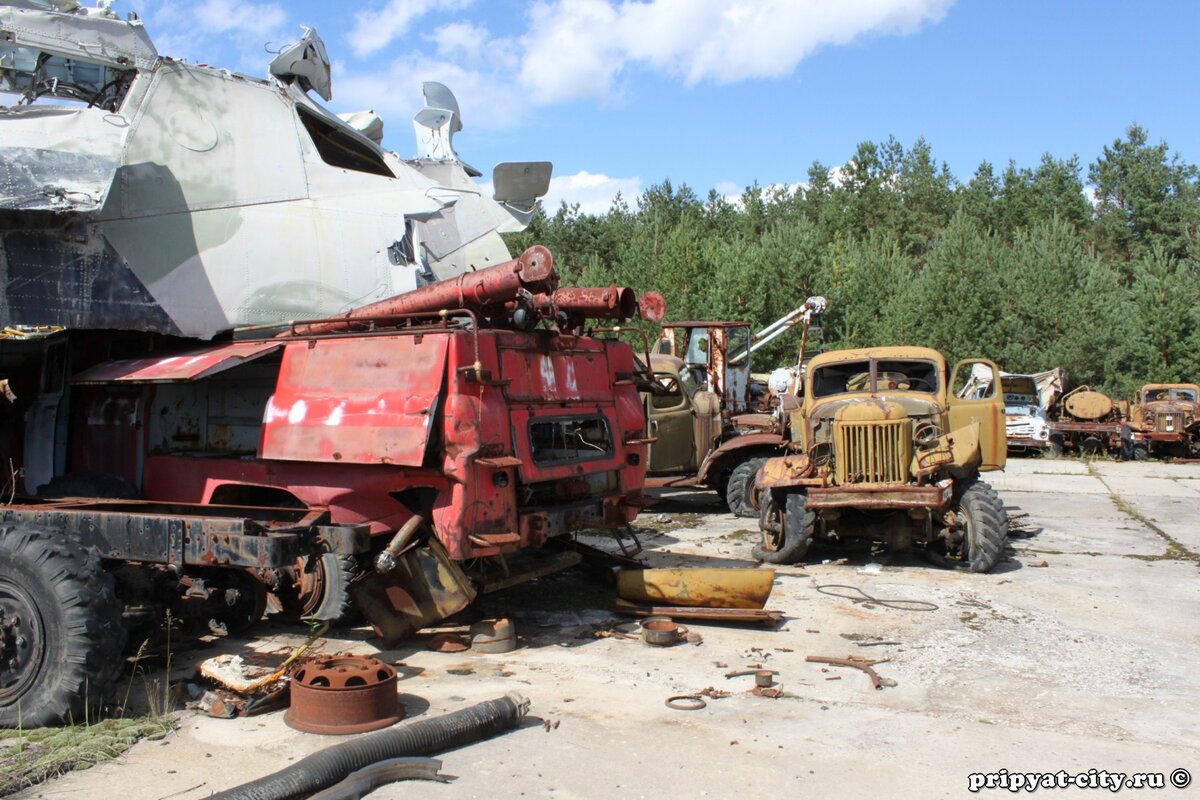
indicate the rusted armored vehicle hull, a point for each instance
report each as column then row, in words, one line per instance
column 705, row 428
column 882, row 450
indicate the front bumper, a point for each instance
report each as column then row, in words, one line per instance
column 882, row 496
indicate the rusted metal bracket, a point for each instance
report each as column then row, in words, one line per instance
column 856, row 663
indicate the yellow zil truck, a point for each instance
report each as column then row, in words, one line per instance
column 882, row 448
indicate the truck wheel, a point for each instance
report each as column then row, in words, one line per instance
column 787, row 528
column 61, row 634
column 739, row 490
column 319, row 588
column 978, row 531
column 1140, row 451
column 1056, row 445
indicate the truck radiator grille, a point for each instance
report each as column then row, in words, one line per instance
column 872, row 452
column 1167, row 423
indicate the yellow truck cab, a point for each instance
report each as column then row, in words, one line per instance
column 883, row 449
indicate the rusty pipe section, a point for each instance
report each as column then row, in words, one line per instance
column 608, row 302
column 532, row 272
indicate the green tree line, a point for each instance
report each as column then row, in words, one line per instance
column 1093, row 271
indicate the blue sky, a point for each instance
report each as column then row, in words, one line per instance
column 720, row 93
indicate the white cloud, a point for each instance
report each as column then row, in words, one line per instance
column 576, row 48
column 223, row 32
column 593, row 192
column 248, row 19
column 376, row 29
column 488, row 100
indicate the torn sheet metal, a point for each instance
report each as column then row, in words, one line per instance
column 188, row 366
column 90, row 34
column 143, row 193
column 424, row 588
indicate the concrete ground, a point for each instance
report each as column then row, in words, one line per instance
column 1078, row 652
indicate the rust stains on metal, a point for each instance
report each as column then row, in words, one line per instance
column 343, row 694
column 697, row 588
column 486, row 288
column 765, row 616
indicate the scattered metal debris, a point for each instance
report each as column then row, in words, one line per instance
column 343, row 694
column 686, row 702
column 851, row 661
column 448, row 643
column 763, row 616
column 662, row 631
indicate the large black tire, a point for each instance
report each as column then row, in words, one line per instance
column 321, row 589
column 739, row 490
column 984, row 529
column 1056, row 445
column 61, row 633
column 788, row 510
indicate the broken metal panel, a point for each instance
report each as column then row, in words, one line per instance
column 305, row 61
column 51, row 277
column 712, row 588
column 198, row 200
column 364, row 400
column 202, row 138
column 424, row 587
column 188, row 366
column 89, row 34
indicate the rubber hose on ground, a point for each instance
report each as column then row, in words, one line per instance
column 326, row 767
column 360, row 783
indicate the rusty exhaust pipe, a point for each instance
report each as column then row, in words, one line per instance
column 488, row 287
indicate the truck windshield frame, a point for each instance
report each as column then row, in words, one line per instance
column 569, row 439
column 876, row 376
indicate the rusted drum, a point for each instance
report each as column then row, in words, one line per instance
column 343, row 694
column 1088, row 405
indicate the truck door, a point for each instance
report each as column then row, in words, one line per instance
column 985, row 406
column 670, row 422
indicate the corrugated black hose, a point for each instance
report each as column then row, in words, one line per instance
column 426, row 737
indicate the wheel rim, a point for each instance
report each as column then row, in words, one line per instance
column 310, row 585
column 772, row 525
column 22, row 642
column 960, row 533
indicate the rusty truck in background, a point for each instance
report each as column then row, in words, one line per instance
column 1166, row 420
column 707, row 425
column 882, row 448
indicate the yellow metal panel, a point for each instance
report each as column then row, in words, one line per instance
column 697, row 588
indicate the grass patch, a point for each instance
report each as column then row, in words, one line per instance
column 649, row 522
column 742, row 534
column 28, row 757
column 1175, row 550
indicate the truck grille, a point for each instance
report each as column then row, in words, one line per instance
column 1166, row 423
column 872, row 452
